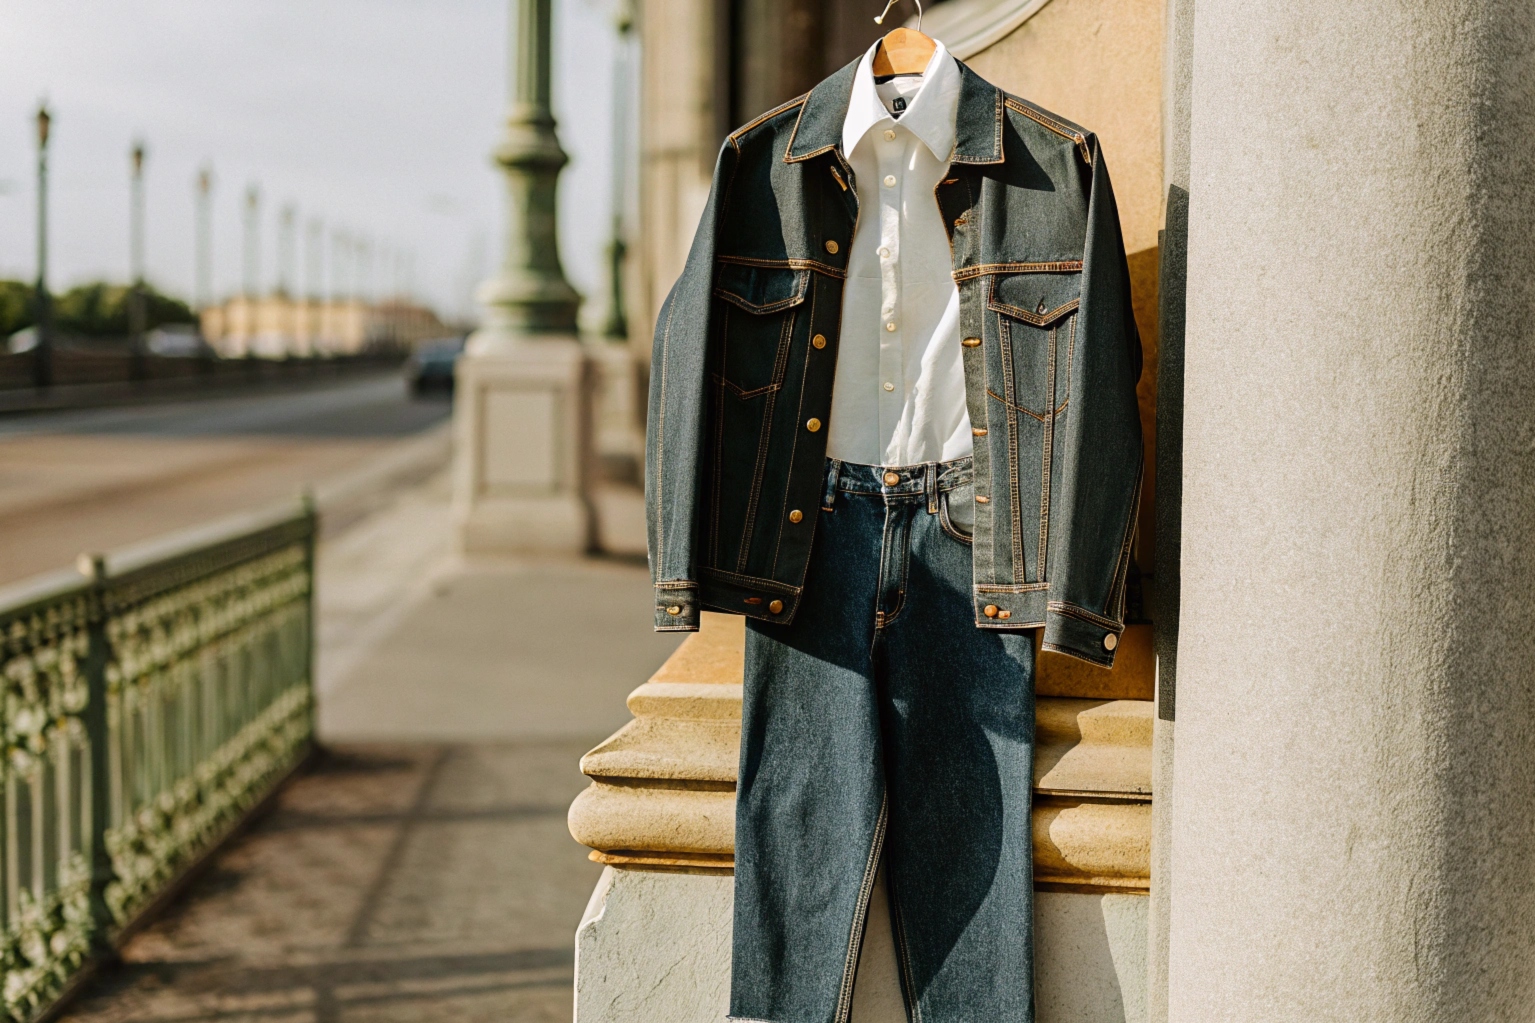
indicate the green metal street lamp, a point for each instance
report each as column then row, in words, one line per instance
column 138, row 313
column 42, row 352
column 530, row 296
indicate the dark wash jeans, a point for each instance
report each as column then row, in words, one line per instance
column 882, row 722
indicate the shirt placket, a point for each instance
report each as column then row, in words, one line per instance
column 890, row 149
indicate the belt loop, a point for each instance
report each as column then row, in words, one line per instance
column 833, row 474
column 932, row 488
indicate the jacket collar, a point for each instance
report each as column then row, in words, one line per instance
column 977, row 125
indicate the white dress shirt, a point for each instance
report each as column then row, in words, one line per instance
column 899, row 393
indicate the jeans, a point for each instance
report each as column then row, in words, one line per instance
column 881, row 723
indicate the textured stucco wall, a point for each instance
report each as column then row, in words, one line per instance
column 1098, row 63
column 656, row 947
column 1356, row 729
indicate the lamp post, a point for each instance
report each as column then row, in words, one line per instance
column 616, row 326
column 522, row 405
column 530, row 297
column 204, row 240
column 138, row 319
column 42, row 352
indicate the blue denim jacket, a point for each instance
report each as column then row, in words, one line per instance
column 746, row 347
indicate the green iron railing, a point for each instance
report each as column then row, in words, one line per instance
column 151, row 700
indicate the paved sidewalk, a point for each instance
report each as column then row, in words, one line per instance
column 423, row 870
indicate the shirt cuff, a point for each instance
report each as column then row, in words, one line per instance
column 677, row 607
column 1081, row 634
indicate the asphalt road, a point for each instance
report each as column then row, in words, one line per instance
column 100, row 479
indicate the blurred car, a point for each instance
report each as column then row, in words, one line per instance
column 430, row 367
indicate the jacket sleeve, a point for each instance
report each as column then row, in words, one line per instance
column 1093, row 525
column 674, row 426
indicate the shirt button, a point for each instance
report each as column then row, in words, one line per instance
column 796, row 516
column 819, row 340
column 831, row 247
column 813, row 425
column 889, row 180
column 1110, row 641
column 890, row 326
column 884, row 252
column 889, row 135
column 892, row 478
column 889, row 386
column 775, row 606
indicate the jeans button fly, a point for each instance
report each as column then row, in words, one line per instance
column 892, row 478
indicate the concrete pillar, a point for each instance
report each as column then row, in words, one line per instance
column 1172, row 291
column 1353, row 822
column 522, row 414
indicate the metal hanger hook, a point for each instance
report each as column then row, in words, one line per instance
column 891, row 3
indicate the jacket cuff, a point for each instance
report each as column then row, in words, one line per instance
column 677, row 607
column 1081, row 634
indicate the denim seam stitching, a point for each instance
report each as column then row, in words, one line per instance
column 860, row 915
column 1054, row 125
column 1014, row 494
column 792, row 263
column 903, row 953
column 1046, row 460
column 1060, row 607
column 781, row 108
column 764, row 435
column 1012, row 588
column 719, row 469
column 900, row 589
column 753, row 582
column 947, row 525
column 988, row 269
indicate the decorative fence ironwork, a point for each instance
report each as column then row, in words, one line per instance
column 151, row 699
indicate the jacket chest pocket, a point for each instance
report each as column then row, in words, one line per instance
column 1037, row 327
column 757, row 308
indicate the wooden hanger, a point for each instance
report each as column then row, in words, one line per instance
column 903, row 51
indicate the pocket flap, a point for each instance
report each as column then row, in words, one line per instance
column 1040, row 299
column 760, row 289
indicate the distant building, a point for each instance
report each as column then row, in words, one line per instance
column 279, row 326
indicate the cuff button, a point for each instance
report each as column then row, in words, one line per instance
column 990, row 610
column 1110, row 641
column 776, row 607
column 675, row 609
column 1004, row 614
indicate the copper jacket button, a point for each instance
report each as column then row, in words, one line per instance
column 813, row 425
column 674, row 610
column 819, row 340
column 796, row 515
column 776, row 606
column 990, row 610
column 831, row 247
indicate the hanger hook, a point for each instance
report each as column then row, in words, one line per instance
column 891, row 3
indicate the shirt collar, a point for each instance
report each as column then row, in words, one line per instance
column 929, row 116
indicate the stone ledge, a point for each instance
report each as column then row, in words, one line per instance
column 663, row 787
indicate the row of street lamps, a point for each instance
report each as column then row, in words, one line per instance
column 357, row 251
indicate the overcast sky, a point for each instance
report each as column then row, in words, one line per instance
column 375, row 116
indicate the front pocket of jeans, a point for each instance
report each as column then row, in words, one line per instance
column 956, row 513
column 757, row 309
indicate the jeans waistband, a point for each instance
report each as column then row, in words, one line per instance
column 926, row 480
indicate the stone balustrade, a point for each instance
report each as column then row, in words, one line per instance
column 660, row 813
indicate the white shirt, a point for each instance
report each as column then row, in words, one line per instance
column 899, row 393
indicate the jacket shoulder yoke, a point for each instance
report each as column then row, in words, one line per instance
column 1059, row 125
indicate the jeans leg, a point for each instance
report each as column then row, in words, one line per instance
column 810, row 794
column 958, row 725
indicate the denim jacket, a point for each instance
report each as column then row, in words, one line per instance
column 746, row 346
